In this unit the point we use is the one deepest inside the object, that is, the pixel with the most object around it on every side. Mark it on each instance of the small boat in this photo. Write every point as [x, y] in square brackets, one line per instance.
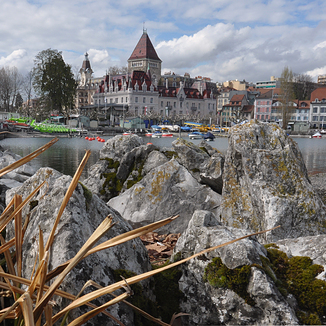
[209, 136]
[157, 134]
[127, 133]
[195, 135]
[316, 135]
[149, 133]
[167, 134]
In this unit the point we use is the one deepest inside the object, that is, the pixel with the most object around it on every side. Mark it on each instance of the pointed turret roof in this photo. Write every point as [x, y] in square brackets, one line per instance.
[144, 49]
[86, 63]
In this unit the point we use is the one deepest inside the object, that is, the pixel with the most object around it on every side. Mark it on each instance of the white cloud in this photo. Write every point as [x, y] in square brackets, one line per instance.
[223, 40]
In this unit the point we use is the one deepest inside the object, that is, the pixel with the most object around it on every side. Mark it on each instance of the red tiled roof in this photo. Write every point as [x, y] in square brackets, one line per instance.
[319, 93]
[248, 108]
[144, 49]
[237, 98]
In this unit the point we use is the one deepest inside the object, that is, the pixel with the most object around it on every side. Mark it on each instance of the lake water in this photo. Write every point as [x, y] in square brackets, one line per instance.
[67, 153]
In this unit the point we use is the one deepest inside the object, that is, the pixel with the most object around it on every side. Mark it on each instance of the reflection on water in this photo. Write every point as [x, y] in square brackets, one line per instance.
[67, 153]
[314, 153]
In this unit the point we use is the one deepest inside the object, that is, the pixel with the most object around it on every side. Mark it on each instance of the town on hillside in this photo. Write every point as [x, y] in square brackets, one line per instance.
[140, 96]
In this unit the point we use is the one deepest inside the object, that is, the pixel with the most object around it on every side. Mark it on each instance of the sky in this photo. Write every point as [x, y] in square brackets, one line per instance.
[220, 39]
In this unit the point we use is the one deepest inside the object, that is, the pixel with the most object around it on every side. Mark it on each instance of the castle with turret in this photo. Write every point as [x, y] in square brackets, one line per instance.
[144, 92]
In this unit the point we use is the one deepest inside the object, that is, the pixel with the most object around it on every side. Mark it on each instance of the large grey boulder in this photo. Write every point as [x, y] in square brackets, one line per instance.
[84, 212]
[120, 165]
[165, 191]
[204, 162]
[209, 305]
[265, 184]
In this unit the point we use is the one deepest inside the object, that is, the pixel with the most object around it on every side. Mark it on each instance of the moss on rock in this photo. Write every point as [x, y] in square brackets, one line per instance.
[237, 279]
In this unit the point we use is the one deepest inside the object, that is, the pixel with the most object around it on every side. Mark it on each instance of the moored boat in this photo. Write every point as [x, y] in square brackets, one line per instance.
[195, 135]
[316, 135]
[167, 134]
[157, 134]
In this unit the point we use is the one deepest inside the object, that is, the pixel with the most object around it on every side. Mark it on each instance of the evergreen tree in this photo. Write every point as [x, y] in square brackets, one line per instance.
[54, 81]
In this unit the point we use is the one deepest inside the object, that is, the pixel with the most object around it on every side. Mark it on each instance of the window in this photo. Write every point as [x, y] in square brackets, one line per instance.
[126, 99]
[314, 110]
[121, 99]
[136, 99]
[322, 110]
[174, 104]
[116, 100]
[151, 100]
[314, 118]
[144, 99]
[111, 100]
[161, 103]
[180, 112]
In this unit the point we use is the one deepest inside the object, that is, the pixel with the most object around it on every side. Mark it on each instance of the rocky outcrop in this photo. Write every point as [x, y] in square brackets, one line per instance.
[120, 166]
[81, 217]
[219, 305]
[15, 178]
[265, 184]
[165, 191]
[204, 162]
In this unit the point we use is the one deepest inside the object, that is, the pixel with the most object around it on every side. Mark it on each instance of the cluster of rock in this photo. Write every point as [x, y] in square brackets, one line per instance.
[261, 183]
[16, 177]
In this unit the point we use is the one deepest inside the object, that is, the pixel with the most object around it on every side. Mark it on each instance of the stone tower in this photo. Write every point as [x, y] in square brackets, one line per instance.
[145, 58]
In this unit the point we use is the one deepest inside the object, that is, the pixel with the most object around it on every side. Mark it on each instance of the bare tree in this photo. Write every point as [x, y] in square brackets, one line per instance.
[303, 86]
[27, 88]
[287, 95]
[10, 84]
[116, 70]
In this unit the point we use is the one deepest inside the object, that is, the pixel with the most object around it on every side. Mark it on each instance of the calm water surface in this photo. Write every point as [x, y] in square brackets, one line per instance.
[67, 153]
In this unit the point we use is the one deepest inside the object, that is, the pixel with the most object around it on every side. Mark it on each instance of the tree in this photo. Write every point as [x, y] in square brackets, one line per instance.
[303, 86]
[287, 95]
[115, 70]
[54, 81]
[27, 88]
[19, 101]
[10, 84]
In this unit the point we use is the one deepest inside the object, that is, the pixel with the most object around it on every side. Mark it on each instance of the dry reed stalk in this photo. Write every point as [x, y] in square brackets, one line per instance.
[87, 316]
[10, 287]
[18, 234]
[135, 279]
[98, 233]
[68, 194]
[21, 206]
[35, 281]
[7, 245]
[41, 280]
[87, 284]
[7, 211]
[24, 281]
[26, 305]
[27, 158]
[9, 261]
[41, 243]
[48, 314]
[121, 238]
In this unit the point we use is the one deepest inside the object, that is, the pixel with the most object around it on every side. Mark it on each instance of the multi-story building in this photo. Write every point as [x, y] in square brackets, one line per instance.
[302, 110]
[144, 92]
[321, 79]
[272, 83]
[237, 110]
[318, 108]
